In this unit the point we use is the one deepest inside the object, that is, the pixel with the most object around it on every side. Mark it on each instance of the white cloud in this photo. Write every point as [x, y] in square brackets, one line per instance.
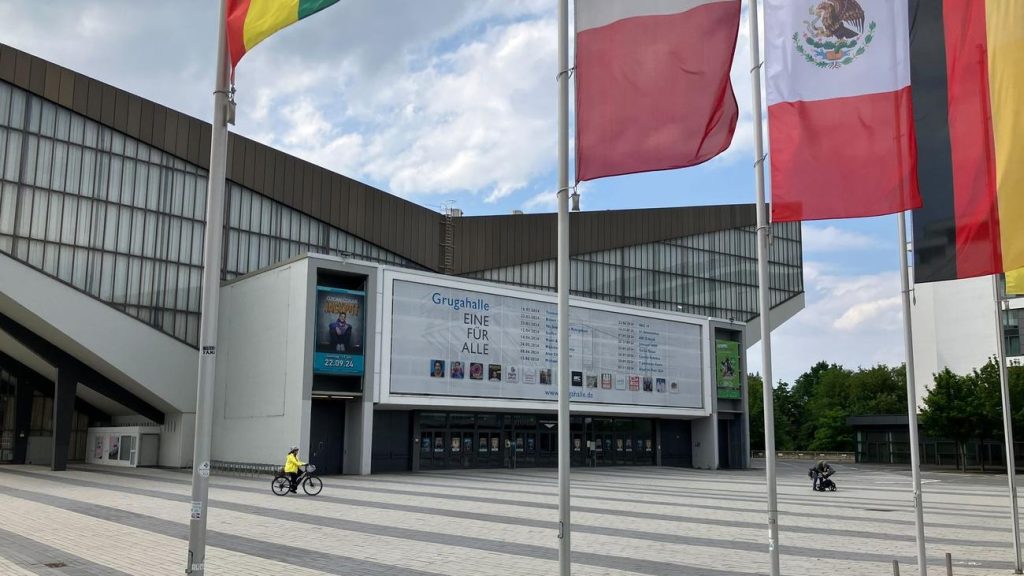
[742, 148]
[542, 201]
[477, 119]
[851, 320]
[864, 312]
[817, 238]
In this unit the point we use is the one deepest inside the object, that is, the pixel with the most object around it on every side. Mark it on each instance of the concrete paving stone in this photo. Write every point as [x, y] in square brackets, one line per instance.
[627, 522]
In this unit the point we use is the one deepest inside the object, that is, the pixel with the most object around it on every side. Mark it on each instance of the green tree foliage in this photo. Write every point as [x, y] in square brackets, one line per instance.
[755, 410]
[969, 407]
[812, 414]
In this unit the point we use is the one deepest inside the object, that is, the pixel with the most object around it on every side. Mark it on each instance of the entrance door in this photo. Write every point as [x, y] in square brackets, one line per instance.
[460, 450]
[327, 435]
[548, 452]
[7, 403]
[675, 443]
[488, 448]
[579, 453]
[723, 444]
[433, 449]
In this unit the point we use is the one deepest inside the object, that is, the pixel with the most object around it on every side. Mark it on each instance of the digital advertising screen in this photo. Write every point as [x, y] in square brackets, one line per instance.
[453, 342]
[727, 370]
[340, 326]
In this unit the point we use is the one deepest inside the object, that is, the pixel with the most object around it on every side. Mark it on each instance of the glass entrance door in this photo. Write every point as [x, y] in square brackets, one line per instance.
[547, 454]
[433, 449]
[489, 446]
[7, 404]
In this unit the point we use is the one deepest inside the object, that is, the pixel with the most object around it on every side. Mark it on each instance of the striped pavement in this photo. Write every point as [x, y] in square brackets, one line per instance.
[626, 521]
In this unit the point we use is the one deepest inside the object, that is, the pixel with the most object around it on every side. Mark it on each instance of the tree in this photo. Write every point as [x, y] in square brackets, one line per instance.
[814, 392]
[755, 410]
[953, 409]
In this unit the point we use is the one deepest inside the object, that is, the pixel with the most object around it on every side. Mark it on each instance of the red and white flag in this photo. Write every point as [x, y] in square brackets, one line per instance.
[840, 117]
[652, 84]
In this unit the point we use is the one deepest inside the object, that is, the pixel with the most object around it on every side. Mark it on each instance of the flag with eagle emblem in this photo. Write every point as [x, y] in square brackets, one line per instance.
[840, 118]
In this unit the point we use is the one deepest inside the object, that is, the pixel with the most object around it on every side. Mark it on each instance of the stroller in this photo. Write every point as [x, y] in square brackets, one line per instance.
[824, 483]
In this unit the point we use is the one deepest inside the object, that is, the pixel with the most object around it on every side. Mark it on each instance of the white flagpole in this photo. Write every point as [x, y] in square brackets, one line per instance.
[212, 239]
[764, 306]
[564, 547]
[915, 454]
[1011, 467]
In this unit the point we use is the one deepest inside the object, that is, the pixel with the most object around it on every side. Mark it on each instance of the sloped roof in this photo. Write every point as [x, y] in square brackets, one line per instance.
[405, 228]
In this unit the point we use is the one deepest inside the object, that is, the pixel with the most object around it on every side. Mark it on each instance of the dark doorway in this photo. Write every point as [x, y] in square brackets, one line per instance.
[327, 435]
[392, 431]
[724, 444]
[676, 443]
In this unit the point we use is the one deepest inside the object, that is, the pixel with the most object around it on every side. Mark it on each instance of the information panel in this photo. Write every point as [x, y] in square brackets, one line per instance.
[339, 331]
[454, 342]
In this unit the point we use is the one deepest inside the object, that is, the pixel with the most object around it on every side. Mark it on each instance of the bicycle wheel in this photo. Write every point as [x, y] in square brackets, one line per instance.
[281, 485]
[312, 485]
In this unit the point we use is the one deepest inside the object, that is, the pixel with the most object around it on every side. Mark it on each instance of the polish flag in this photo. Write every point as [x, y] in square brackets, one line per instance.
[652, 84]
[840, 118]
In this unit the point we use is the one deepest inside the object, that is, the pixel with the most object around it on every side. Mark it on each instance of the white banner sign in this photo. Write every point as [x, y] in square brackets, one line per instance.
[451, 342]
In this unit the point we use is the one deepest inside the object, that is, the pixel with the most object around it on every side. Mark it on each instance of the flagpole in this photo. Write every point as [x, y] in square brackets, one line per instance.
[915, 447]
[564, 547]
[212, 238]
[1011, 467]
[764, 306]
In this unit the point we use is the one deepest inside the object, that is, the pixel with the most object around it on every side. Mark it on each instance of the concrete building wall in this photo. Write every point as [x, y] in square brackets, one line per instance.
[177, 439]
[40, 450]
[705, 442]
[261, 401]
[146, 362]
[954, 327]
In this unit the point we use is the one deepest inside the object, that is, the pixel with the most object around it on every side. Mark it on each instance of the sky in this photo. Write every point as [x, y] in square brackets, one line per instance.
[453, 102]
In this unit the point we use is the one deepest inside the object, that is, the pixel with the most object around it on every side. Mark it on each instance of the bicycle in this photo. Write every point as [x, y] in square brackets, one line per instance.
[310, 482]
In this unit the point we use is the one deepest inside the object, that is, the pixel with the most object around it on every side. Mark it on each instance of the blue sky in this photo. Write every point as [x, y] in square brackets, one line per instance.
[454, 101]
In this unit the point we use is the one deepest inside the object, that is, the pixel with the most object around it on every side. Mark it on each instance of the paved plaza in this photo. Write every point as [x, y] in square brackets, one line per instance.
[627, 521]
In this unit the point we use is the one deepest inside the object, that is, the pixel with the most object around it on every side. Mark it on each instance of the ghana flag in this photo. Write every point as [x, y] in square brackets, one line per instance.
[252, 21]
[968, 88]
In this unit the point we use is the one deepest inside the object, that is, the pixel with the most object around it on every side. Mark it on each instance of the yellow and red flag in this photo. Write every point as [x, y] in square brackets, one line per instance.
[1015, 281]
[252, 21]
[968, 81]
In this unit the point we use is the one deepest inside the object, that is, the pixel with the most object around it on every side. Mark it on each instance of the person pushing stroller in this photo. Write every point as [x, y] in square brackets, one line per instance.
[819, 473]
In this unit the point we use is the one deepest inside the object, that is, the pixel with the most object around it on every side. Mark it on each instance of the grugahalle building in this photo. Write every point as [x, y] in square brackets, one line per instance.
[376, 334]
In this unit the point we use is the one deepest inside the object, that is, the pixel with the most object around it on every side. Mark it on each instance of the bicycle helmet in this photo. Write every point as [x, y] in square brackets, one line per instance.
[293, 449]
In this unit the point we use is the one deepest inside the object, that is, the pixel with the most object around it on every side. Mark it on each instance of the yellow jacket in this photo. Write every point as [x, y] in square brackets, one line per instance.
[292, 464]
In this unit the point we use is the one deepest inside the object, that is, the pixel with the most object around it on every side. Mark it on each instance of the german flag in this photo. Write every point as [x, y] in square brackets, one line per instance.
[253, 21]
[967, 74]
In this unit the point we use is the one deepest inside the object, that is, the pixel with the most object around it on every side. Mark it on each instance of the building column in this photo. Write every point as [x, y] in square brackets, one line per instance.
[657, 442]
[63, 415]
[22, 419]
[415, 467]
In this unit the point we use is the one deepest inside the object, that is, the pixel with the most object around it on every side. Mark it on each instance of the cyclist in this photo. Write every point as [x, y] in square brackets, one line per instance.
[291, 467]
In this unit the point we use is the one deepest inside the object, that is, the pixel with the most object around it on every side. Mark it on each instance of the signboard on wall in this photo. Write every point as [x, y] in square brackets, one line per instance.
[340, 324]
[727, 369]
[452, 342]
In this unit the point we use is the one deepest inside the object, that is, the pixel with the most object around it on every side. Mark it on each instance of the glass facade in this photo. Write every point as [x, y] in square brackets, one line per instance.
[471, 440]
[40, 419]
[124, 222]
[713, 274]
